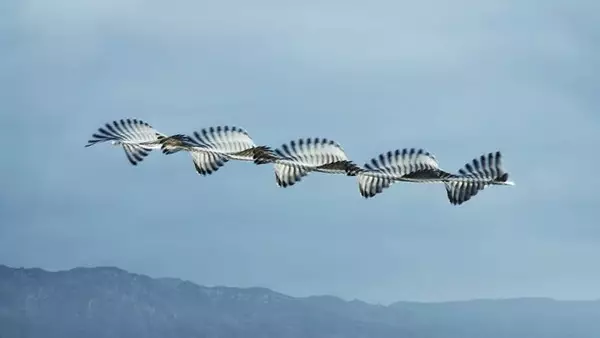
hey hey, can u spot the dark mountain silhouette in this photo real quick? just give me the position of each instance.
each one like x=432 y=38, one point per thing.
x=110 y=302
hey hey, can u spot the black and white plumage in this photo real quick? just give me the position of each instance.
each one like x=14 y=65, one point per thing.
x=408 y=164
x=296 y=159
x=475 y=176
x=212 y=147
x=420 y=166
x=136 y=137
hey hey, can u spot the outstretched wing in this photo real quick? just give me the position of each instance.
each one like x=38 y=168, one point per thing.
x=371 y=185
x=402 y=162
x=287 y=175
x=205 y=160
x=137 y=137
x=207 y=163
x=486 y=168
x=312 y=152
x=135 y=153
x=132 y=131
x=410 y=164
x=476 y=176
x=460 y=192
x=297 y=158
x=223 y=139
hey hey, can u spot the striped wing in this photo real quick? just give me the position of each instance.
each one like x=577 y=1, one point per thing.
x=409 y=164
x=369 y=186
x=486 y=168
x=460 y=192
x=229 y=140
x=312 y=152
x=136 y=137
x=476 y=176
x=403 y=162
x=287 y=175
x=207 y=163
x=297 y=158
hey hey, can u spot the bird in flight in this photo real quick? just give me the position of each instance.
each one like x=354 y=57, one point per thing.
x=480 y=173
x=296 y=159
x=136 y=137
x=420 y=166
x=212 y=147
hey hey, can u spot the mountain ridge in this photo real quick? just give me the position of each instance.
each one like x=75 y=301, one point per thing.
x=112 y=302
x=317 y=296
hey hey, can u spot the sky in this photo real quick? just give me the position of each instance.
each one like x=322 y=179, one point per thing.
x=457 y=78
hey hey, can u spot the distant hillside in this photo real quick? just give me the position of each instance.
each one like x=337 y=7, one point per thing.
x=109 y=302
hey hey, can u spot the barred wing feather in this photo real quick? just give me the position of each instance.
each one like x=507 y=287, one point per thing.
x=475 y=176
x=136 y=137
x=224 y=140
x=460 y=192
x=485 y=168
x=408 y=164
x=297 y=158
x=131 y=131
x=207 y=163
x=212 y=147
x=287 y=175
x=135 y=153
x=312 y=152
x=402 y=162
x=371 y=185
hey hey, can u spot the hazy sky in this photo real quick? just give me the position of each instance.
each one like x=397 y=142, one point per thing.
x=458 y=78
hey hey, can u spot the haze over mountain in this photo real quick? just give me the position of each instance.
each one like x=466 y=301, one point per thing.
x=110 y=302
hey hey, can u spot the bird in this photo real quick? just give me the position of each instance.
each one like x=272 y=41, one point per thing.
x=136 y=137
x=294 y=160
x=407 y=164
x=476 y=175
x=420 y=166
x=212 y=147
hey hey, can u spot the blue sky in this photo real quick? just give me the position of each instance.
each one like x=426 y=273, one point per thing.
x=459 y=79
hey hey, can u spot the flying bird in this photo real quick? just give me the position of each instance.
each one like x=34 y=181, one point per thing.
x=212 y=147
x=476 y=175
x=419 y=166
x=296 y=159
x=136 y=137
x=407 y=165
